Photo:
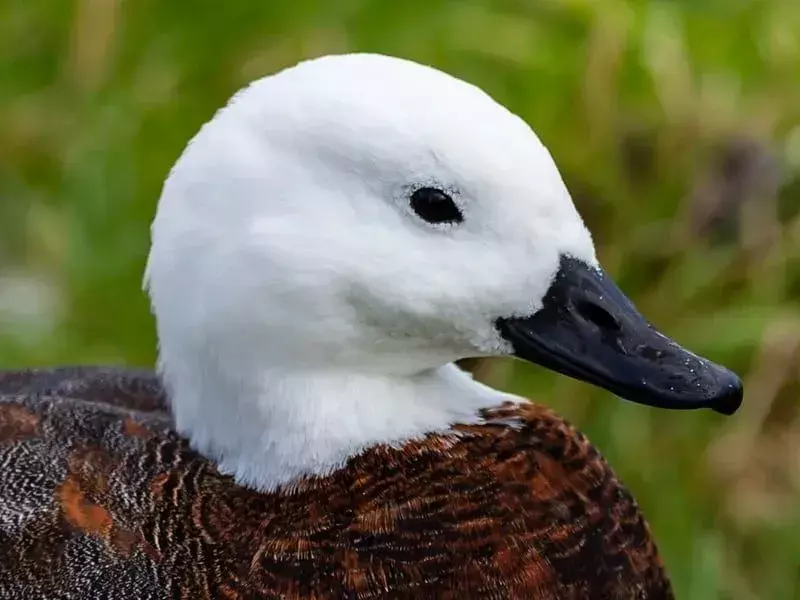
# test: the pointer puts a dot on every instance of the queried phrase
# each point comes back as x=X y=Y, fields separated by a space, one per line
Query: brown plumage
x=100 y=498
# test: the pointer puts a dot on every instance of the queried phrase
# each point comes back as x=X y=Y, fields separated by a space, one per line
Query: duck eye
x=435 y=206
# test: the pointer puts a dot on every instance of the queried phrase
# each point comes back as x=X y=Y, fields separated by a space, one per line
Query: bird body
x=102 y=499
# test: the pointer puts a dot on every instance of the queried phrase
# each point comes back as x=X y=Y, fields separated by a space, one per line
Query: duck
x=324 y=251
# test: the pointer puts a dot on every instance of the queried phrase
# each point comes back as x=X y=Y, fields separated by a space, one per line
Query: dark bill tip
x=589 y=330
x=728 y=402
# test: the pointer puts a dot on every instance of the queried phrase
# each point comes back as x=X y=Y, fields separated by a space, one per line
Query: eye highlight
x=435 y=206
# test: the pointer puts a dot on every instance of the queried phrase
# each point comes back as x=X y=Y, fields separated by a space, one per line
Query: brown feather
x=99 y=498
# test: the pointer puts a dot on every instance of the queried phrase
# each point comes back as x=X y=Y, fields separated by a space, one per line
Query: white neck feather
x=284 y=425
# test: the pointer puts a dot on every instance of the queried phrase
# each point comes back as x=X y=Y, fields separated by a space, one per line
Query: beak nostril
x=598 y=315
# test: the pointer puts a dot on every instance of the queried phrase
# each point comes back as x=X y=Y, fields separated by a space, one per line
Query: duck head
x=359 y=219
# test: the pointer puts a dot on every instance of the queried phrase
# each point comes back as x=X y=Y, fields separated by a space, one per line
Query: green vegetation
x=676 y=125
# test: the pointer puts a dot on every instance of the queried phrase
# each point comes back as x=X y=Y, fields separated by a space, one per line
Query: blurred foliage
x=676 y=125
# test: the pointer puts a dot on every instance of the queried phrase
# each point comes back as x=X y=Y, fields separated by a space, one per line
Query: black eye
x=435 y=206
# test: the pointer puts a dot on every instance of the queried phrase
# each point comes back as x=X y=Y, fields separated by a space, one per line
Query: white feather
x=304 y=312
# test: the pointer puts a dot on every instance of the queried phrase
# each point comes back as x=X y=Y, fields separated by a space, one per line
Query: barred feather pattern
x=100 y=498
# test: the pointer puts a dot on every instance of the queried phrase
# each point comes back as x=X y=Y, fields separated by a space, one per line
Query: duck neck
x=280 y=425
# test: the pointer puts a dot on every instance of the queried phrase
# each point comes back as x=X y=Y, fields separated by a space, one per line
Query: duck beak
x=589 y=330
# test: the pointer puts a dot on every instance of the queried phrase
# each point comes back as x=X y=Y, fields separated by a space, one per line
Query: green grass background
x=676 y=125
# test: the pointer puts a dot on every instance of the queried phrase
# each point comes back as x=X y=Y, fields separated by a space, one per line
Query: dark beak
x=589 y=330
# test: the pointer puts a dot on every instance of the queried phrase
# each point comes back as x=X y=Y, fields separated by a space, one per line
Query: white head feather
x=304 y=311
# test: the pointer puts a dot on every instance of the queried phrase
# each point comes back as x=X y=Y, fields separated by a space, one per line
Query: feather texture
x=100 y=498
